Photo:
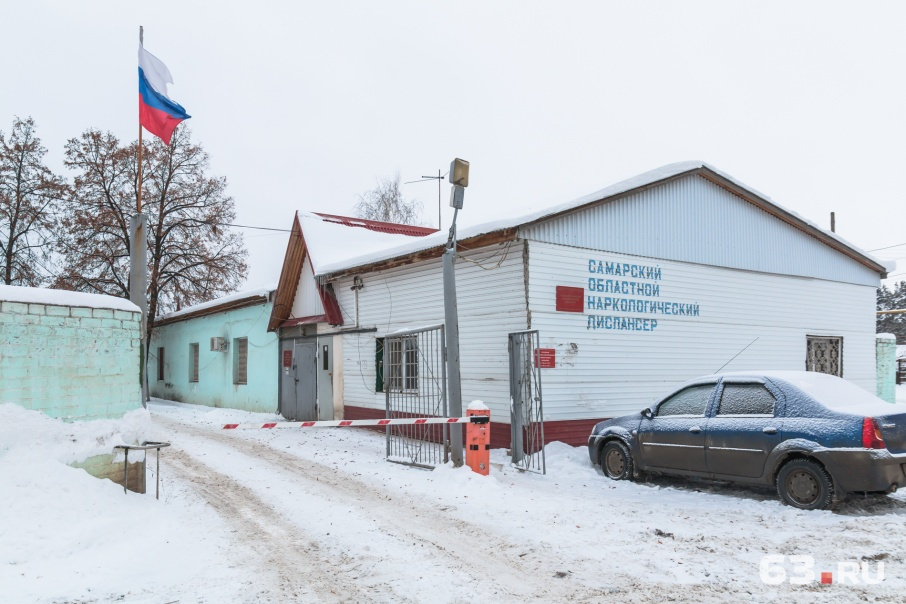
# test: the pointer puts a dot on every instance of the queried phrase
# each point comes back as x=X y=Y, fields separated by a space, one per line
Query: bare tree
x=192 y=256
x=29 y=196
x=385 y=202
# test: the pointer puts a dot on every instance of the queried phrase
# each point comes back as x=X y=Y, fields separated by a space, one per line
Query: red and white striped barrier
x=476 y=419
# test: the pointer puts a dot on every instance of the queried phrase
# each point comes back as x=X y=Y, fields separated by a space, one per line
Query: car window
x=746 y=399
x=691 y=401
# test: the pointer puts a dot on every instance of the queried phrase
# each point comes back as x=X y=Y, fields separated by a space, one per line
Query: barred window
x=824 y=355
x=403 y=365
x=240 y=360
x=193 y=362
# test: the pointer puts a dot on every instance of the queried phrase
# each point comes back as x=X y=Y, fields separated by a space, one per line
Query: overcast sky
x=304 y=105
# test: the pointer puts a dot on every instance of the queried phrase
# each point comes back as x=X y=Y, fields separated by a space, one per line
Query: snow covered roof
x=328 y=239
x=257 y=295
x=59 y=297
x=362 y=256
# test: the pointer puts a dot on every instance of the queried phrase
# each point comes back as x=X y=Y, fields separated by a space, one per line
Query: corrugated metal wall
x=693 y=220
x=603 y=372
x=491 y=303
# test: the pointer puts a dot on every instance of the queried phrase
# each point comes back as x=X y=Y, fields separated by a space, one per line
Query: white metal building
x=676 y=273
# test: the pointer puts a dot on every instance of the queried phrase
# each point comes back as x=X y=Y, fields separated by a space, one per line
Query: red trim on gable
x=377 y=225
x=304 y=320
x=331 y=306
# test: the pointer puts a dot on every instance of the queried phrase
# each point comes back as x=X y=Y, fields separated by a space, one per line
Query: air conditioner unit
x=218 y=344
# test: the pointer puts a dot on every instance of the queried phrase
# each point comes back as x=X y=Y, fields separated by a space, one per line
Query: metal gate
x=526 y=413
x=415 y=384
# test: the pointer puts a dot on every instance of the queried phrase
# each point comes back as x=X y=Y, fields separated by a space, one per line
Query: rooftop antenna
x=438 y=178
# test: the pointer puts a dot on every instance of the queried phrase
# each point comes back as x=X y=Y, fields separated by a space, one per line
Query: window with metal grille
x=193 y=362
x=403 y=363
x=824 y=355
x=240 y=360
x=160 y=364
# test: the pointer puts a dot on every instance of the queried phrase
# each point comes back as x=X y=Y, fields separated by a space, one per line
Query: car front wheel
x=805 y=484
x=616 y=461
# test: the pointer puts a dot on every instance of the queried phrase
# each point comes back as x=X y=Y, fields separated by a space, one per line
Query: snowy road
x=327 y=519
x=254 y=516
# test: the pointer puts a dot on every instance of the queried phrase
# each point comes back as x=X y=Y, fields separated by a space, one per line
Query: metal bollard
x=478 y=438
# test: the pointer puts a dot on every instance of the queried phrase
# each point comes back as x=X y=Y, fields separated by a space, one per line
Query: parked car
x=814 y=437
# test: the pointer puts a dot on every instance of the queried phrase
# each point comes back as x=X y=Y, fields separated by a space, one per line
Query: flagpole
x=138 y=260
x=141 y=41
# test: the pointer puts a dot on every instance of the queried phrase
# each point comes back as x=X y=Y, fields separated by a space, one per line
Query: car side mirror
x=647 y=414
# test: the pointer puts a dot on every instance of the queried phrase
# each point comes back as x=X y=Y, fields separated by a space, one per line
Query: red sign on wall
x=545 y=358
x=287 y=358
x=570 y=299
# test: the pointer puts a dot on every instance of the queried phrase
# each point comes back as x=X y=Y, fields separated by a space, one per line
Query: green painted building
x=218 y=353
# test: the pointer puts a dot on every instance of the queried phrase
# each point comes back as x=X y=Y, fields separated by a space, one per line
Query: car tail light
x=871 y=434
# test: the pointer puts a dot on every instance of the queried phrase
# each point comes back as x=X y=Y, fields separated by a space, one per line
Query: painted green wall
x=886 y=347
x=72 y=363
x=215 y=385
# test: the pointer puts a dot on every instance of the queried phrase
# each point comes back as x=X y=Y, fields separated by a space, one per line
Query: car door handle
x=769 y=430
x=695 y=429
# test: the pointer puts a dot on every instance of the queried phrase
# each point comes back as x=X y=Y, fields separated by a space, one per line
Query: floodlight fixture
x=459 y=172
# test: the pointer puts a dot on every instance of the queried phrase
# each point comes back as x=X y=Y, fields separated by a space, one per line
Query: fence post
x=478 y=438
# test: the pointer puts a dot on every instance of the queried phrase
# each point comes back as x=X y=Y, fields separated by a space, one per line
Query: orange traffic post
x=478 y=438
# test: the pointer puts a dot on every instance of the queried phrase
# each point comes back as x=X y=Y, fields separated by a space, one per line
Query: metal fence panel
x=527 y=411
x=415 y=379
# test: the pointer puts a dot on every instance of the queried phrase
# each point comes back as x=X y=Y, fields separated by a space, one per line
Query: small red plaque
x=570 y=299
x=545 y=358
x=287 y=358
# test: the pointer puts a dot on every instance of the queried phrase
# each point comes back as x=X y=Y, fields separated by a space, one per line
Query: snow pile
x=32 y=432
x=67 y=536
x=59 y=297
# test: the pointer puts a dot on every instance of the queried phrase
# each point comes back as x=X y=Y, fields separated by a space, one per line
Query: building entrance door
x=299 y=380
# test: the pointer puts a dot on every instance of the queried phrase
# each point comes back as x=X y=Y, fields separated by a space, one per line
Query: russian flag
x=156 y=112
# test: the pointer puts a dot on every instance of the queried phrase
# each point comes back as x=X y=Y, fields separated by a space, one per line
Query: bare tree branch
x=386 y=203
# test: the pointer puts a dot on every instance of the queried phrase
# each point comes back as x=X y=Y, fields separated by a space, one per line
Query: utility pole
x=459 y=176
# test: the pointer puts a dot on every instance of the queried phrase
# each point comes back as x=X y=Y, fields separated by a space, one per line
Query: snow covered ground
x=319 y=516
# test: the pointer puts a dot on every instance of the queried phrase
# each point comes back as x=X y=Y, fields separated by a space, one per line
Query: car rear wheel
x=616 y=461
x=805 y=484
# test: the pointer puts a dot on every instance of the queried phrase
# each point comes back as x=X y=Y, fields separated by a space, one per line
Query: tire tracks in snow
x=467 y=548
x=284 y=548
x=500 y=569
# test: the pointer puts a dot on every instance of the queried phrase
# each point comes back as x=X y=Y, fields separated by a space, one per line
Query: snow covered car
x=814 y=437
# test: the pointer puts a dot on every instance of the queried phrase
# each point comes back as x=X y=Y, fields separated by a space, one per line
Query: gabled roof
x=505 y=229
x=327 y=239
x=248 y=297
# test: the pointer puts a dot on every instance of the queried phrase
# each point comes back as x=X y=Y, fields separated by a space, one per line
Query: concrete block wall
x=886 y=359
x=71 y=362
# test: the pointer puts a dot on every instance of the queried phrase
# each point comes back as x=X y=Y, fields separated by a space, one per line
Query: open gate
x=526 y=412
x=415 y=385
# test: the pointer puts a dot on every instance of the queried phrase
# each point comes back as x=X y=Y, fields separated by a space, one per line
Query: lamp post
x=459 y=177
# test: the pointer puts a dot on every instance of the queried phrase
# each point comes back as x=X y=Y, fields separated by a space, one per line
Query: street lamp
x=459 y=177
